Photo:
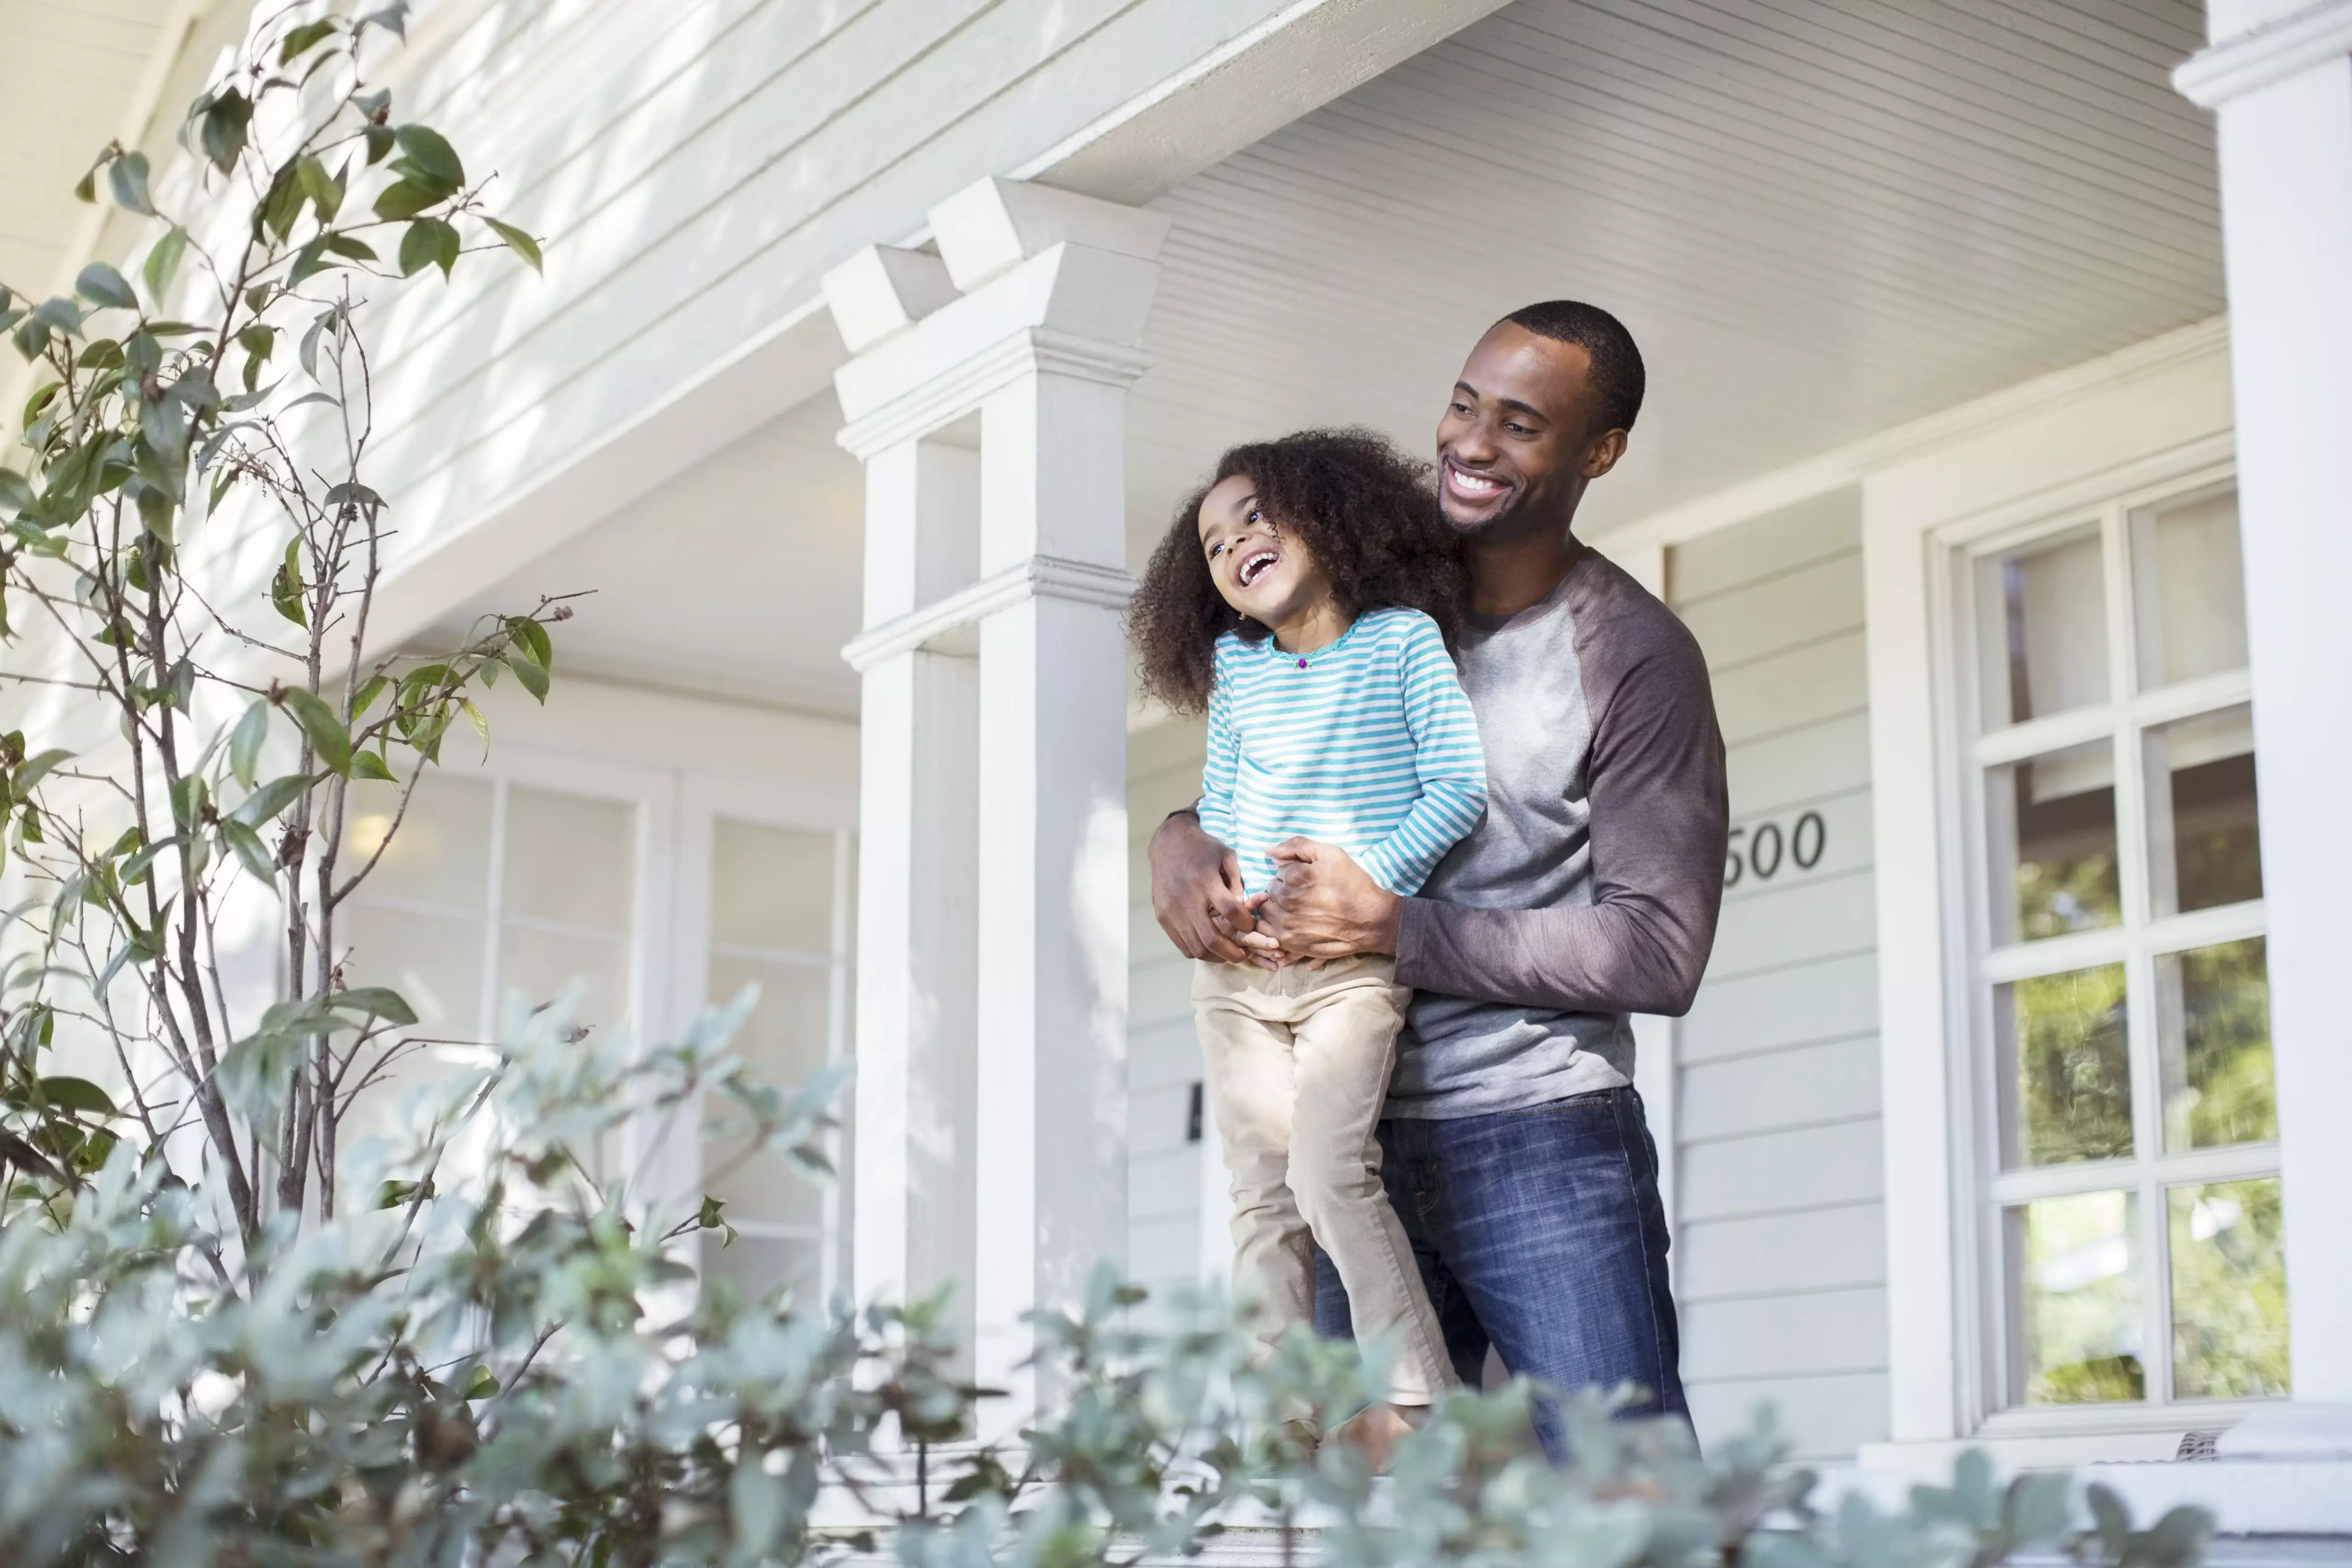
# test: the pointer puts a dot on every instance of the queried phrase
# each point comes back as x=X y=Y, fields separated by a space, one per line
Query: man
x=1515 y=1153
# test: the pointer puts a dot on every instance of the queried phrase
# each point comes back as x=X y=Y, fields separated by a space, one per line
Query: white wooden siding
x=1781 y=1249
x=1163 y=1055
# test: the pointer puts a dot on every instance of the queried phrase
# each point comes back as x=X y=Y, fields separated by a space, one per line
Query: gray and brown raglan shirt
x=1591 y=888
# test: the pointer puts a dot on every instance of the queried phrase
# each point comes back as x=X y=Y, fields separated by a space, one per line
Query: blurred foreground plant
x=509 y=1363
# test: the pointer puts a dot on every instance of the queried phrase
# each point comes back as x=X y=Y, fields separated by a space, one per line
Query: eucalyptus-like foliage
x=511 y=1365
x=191 y=554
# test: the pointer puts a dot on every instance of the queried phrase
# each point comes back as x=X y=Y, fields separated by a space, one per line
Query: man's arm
x=1658 y=827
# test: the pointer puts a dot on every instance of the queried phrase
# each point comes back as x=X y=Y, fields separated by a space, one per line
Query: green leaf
x=264 y=803
x=283 y=205
x=286 y=586
x=251 y=852
x=533 y=679
x=302 y=39
x=405 y=199
x=308 y=262
x=102 y=285
x=16 y=494
x=521 y=244
x=531 y=637
x=325 y=190
x=226 y=119
x=126 y=178
x=34 y=771
x=427 y=159
x=369 y=765
x=86 y=188
x=325 y=731
x=429 y=242
x=188 y=802
x=481 y=724
x=375 y=1002
x=164 y=263
x=483 y=1384
x=344 y=245
x=245 y=741
x=77 y=1094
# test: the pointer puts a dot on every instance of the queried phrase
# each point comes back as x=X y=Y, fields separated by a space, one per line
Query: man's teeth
x=1470 y=481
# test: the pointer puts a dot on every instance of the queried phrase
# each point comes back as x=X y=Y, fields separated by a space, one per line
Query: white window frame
x=2150 y=417
x=702 y=800
x=1980 y=966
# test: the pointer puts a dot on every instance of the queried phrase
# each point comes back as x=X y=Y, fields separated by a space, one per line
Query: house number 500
x=1768 y=849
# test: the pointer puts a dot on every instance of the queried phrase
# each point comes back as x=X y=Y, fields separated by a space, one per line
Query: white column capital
x=937 y=400
x=2272 y=49
x=946 y=626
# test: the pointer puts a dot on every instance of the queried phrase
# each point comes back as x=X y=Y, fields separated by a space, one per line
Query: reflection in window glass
x=2043 y=629
x=2075 y=1323
x=2205 y=835
x=2229 y=1291
x=2189 y=590
x=2065 y=1067
x=2051 y=831
x=2214 y=1022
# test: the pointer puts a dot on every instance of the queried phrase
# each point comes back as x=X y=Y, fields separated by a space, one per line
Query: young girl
x=1304 y=597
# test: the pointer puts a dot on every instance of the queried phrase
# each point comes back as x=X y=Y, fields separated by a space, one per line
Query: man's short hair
x=1617 y=378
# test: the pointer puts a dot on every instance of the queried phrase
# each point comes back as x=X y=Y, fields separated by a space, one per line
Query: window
x=490 y=886
x=781 y=917
x=2127 y=1125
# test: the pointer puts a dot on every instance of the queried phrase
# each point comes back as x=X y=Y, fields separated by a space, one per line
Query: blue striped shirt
x=1370 y=746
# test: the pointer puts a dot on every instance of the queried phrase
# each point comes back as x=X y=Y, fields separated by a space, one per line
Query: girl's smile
x=1274 y=581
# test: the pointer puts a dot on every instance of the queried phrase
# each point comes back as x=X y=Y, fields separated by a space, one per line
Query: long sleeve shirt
x=1367 y=743
x=1591 y=888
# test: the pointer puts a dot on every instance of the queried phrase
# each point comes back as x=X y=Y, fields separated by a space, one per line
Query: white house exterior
x=2001 y=359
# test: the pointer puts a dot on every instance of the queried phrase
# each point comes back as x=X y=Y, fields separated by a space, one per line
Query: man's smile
x=1467 y=484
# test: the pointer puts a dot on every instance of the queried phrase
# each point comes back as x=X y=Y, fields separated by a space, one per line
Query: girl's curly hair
x=1363 y=510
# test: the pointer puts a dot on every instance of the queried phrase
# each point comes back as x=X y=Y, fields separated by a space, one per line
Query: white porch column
x=992 y=1100
x=2279 y=80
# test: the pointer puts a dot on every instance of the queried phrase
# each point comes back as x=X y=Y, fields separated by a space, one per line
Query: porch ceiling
x=1820 y=218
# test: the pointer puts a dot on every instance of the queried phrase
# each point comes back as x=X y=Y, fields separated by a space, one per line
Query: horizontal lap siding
x=1780 y=1233
x=1163 y=1193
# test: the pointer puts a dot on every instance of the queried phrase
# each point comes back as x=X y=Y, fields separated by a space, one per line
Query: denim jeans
x=1539 y=1232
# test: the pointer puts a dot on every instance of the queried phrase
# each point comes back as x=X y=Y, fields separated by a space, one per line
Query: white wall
x=1780 y=1252
x=1164 y=1180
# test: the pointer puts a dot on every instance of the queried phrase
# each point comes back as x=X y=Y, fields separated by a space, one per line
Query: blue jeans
x=1539 y=1232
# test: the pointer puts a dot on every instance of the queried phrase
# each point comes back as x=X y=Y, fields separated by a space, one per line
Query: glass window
x=2042 y=634
x=2215 y=1038
x=2134 y=1190
x=2074 y=1272
x=2189 y=588
x=778 y=920
x=2069 y=1079
x=2205 y=840
x=2229 y=1291
x=2051 y=826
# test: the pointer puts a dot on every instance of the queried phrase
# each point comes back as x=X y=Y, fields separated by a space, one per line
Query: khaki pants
x=1298 y=1063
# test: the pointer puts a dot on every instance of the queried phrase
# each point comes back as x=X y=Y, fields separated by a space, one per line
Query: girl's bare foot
x=1374 y=1432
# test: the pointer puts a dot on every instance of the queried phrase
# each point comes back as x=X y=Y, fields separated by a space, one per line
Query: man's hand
x=1196 y=892
x=1324 y=906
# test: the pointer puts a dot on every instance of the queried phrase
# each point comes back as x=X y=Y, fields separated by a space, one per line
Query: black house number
x=1769 y=848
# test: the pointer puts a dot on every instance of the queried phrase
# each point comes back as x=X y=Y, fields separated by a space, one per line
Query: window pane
x=441 y=853
x=2205 y=842
x=2074 y=1300
x=786 y=1041
x=541 y=964
x=569 y=858
x=434 y=962
x=2229 y=1291
x=2189 y=590
x=771 y=886
x=2214 y=1014
x=2050 y=827
x=2065 y=1067
x=2042 y=628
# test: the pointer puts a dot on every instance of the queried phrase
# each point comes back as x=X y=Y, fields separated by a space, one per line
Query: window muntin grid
x=2120 y=1003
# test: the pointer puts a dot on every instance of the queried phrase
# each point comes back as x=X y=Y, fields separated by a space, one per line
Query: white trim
x=1851 y=464
x=1037 y=577
x=2236 y=67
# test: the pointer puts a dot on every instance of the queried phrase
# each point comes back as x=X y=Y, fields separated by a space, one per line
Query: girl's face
x=1259 y=570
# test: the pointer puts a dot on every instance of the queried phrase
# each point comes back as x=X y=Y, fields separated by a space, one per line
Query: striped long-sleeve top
x=1367 y=743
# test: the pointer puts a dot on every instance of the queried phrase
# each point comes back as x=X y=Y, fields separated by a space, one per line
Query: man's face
x=1516 y=446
